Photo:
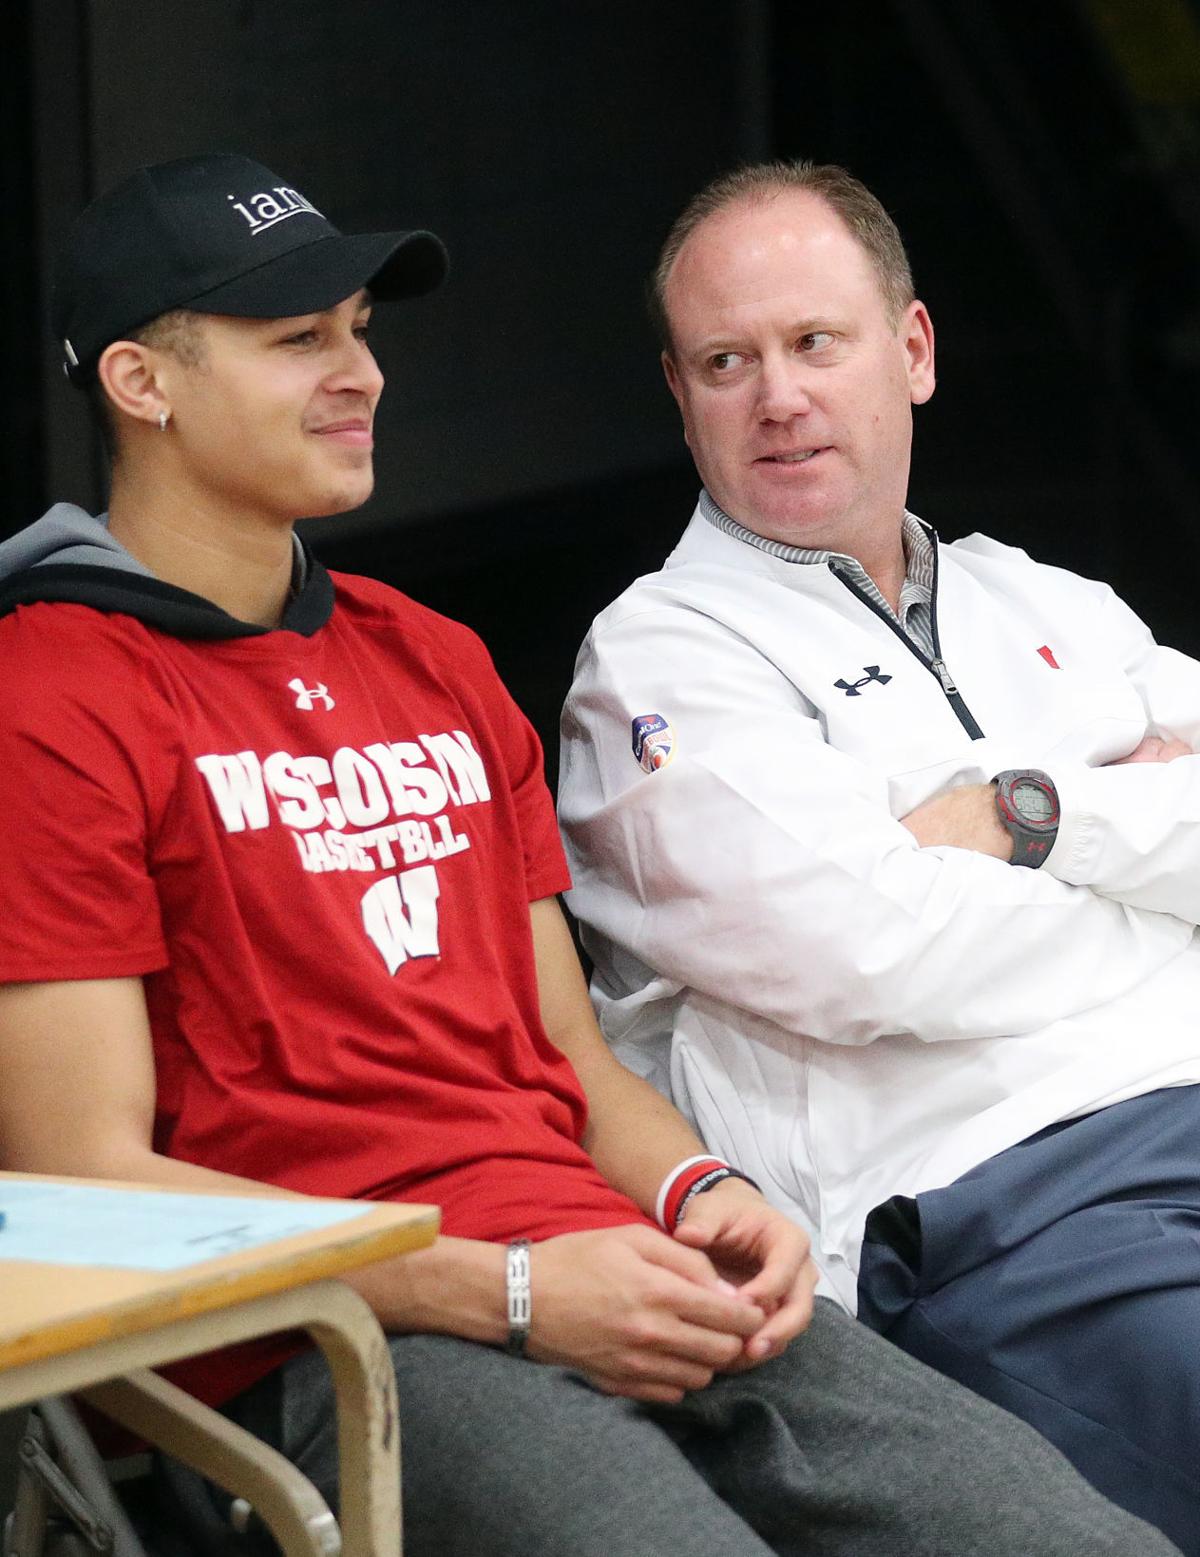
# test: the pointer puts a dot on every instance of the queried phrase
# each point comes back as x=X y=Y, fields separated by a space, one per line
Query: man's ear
x=675 y=385
x=916 y=336
x=130 y=375
x=671 y=372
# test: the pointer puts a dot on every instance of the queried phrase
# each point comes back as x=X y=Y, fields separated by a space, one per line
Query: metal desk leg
x=286 y=1501
x=368 y=1423
x=347 y=1332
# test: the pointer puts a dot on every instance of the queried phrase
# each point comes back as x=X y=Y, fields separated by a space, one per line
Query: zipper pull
x=944 y=676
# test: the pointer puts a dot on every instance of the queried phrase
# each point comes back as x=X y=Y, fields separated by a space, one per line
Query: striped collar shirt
x=915 y=617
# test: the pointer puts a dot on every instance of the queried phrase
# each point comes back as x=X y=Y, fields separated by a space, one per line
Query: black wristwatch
x=1027 y=803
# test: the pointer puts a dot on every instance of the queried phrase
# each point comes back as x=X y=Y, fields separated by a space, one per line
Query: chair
x=65 y=1504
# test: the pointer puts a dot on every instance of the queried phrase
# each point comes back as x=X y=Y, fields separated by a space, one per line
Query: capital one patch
x=653 y=742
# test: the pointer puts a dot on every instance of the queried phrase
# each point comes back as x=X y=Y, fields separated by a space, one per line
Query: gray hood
x=65 y=533
x=69 y=556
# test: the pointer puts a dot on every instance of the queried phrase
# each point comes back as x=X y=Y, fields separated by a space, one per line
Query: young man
x=903 y=903
x=280 y=908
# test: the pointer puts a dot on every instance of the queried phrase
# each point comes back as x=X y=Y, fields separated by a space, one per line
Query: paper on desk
x=81 y=1224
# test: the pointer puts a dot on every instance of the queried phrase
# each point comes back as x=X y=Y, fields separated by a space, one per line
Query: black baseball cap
x=220 y=235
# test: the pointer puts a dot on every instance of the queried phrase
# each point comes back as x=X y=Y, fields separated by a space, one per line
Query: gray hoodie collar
x=67 y=534
x=69 y=555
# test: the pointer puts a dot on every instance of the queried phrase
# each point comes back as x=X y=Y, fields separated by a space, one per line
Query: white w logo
x=305 y=695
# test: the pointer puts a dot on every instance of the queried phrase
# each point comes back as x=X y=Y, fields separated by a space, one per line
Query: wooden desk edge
x=215 y=1284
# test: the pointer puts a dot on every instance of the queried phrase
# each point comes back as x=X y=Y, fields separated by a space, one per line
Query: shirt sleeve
x=1133 y=832
x=546 y=870
x=761 y=867
x=77 y=899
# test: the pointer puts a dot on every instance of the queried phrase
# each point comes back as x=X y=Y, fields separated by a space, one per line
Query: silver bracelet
x=520 y=1297
x=710 y=1181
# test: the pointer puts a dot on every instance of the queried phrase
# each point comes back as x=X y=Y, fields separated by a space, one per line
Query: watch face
x=1032 y=803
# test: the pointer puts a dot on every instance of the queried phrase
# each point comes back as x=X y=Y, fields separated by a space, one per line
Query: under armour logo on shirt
x=854 y=688
x=306 y=696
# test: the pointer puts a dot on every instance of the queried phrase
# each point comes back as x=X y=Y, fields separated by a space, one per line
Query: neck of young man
x=240 y=561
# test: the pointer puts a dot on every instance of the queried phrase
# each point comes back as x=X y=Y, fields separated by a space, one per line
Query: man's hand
x=636 y=1312
x=764 y=1254
x=1154 y=748
x=963 y=818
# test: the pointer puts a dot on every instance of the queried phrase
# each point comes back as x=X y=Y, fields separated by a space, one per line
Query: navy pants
x=1061 y=1279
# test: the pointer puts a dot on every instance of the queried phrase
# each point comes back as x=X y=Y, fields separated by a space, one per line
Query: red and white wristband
x=685 y=1181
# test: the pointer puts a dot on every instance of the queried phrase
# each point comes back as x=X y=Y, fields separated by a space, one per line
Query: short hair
x=178 y=334
x=869 y=225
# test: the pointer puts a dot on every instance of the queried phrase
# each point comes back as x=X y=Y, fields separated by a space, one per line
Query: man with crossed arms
x=887 y=854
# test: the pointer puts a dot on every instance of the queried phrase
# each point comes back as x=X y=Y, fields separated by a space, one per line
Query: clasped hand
x=651 y=1316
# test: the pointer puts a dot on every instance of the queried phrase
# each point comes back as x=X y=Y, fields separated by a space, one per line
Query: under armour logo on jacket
x=305 y=695
x=854 y=688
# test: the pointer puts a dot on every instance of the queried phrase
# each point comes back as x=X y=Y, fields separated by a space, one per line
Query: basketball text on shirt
x=363 y=810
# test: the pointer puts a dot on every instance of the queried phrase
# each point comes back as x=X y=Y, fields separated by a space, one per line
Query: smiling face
x=274 y=419
x=795 y=386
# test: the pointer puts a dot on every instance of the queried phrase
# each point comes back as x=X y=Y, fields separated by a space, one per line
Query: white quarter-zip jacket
x=842 y=1013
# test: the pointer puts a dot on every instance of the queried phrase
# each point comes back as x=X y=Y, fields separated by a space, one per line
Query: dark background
x=1042 y=158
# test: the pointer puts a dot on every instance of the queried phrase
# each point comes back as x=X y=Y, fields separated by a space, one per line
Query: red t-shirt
x=319 y=853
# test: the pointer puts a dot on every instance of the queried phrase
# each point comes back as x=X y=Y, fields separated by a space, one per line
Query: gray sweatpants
x=842 y=1447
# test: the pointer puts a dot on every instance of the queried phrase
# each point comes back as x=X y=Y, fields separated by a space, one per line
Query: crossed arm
x=642 y=1314
x=966 y=817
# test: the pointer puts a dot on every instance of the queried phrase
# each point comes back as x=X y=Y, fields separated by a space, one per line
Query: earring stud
x=163 y=418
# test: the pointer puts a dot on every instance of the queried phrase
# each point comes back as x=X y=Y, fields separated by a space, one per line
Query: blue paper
x=80 y=1224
